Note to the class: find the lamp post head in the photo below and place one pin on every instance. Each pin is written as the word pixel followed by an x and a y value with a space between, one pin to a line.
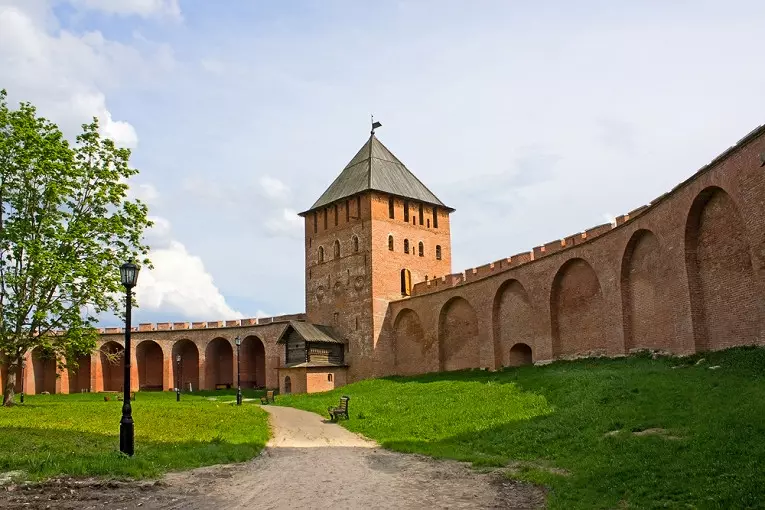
pixel 128 274
pixel 238 341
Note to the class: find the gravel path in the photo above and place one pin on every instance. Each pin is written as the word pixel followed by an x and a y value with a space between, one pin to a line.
pixel 313 464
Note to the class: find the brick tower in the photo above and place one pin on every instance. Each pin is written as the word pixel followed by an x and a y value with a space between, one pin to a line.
pixel 371 235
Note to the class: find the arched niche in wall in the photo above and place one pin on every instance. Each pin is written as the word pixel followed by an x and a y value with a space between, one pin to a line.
pixel 720 273
pixel 44 371
pixel 189 369
pixel 253 362
pixel 219 363
pixel 110 357
pixel 646 299
pixel 458 341
pixel 151 362
pixel 79 377
pixel 577 310
pixel 512 320
pixel 409 347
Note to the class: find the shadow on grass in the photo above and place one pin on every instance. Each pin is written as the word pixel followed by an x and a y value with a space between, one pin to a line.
pixel 559 416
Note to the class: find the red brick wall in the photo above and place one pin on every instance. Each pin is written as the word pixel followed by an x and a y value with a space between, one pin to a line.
pixel 458 336
pixel 647 306
pixel 577 306
pixel 686 272
pixel 413 354
pixel 513 321
pixel 724 292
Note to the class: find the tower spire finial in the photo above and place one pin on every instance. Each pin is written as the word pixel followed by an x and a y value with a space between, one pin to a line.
pixel 375 125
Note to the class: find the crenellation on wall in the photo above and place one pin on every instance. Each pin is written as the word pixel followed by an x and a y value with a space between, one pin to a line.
pixel 214 324
pixel 622 219
pixel 233 323
pixel 636 212
pixel 198 325
pixel 596 231
pixel 181 325
pixel 163 326
pixel 146 326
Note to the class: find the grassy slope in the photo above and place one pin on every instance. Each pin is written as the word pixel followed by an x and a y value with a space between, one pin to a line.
pixel 558 416
pixel 79 434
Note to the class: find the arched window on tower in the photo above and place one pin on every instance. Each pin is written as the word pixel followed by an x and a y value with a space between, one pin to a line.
pixel 421 249
pixel 315 222
pixel 422 214
pixel 406 245
pixel 321 254
pixel 337 249
pixel 438 252
pixel 390 243
pixel 435 217
pixel 355 244
pixel 391 208
pixel 406 282
pixel 335 214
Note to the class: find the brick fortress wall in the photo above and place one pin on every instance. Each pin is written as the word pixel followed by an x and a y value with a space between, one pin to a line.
pixel 682 274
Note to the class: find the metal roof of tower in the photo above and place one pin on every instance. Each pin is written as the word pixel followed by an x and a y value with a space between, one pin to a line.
pixel 375 168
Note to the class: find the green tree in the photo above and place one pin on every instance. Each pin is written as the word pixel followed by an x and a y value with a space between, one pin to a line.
pixel 66 224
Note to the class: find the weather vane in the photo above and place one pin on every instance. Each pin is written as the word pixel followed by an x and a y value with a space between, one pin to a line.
pixel 375 125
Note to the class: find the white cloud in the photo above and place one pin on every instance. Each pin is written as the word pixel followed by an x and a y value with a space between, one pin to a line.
pixel 286 223
pixel 274 188
pixel 179 283
pixel 143 8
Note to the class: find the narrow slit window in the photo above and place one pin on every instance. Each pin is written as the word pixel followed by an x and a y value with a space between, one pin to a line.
pixel 390 243
pixel 406 282
pixel 438 252
pixel 406 212
pixel 329 377
pixel 422 214
pixel 358 207
pixel 336 218
pixel 391 208
pixel 315 222
pixel 435 217
pixel 355 244
pixel 421 249
pixel 406 245
pixel 321 254
pixel 347 211
pixel 337 249
pixel 428 223
pixel 326 213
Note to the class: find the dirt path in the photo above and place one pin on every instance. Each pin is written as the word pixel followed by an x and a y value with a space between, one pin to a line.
pixel 315 464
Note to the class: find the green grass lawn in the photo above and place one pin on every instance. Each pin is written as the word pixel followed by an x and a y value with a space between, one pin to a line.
pixel 78 435
pixel 710 453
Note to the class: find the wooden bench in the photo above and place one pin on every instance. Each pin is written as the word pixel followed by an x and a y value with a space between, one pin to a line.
pixel 268 397
pixel 222 386
pixel 341 410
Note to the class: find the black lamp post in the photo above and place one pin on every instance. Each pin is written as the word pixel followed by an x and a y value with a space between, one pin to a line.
pixel 238 341
pixel 178 387
pixel 128 277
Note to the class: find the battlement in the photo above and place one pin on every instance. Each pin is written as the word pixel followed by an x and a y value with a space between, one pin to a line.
pixel 175 326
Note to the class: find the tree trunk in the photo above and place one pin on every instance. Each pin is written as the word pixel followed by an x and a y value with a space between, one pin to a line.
pixel 8 394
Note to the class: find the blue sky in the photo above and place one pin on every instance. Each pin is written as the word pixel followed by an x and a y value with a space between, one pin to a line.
pixel 533 119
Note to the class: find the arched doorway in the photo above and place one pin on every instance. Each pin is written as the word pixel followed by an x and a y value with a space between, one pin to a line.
pixel 150 366
pixel 189 364
pixel 44 371
pixel 520 354
pixel 111 365
pixel 219 363
pixel 287 385
pixel 252 363
pixel 513 320
pixel 79 378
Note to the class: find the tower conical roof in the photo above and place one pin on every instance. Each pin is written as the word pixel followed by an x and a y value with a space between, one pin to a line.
pixel 374 167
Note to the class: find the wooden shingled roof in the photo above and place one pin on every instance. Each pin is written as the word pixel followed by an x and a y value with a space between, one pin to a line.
pixel 310 333
pixel 375 168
